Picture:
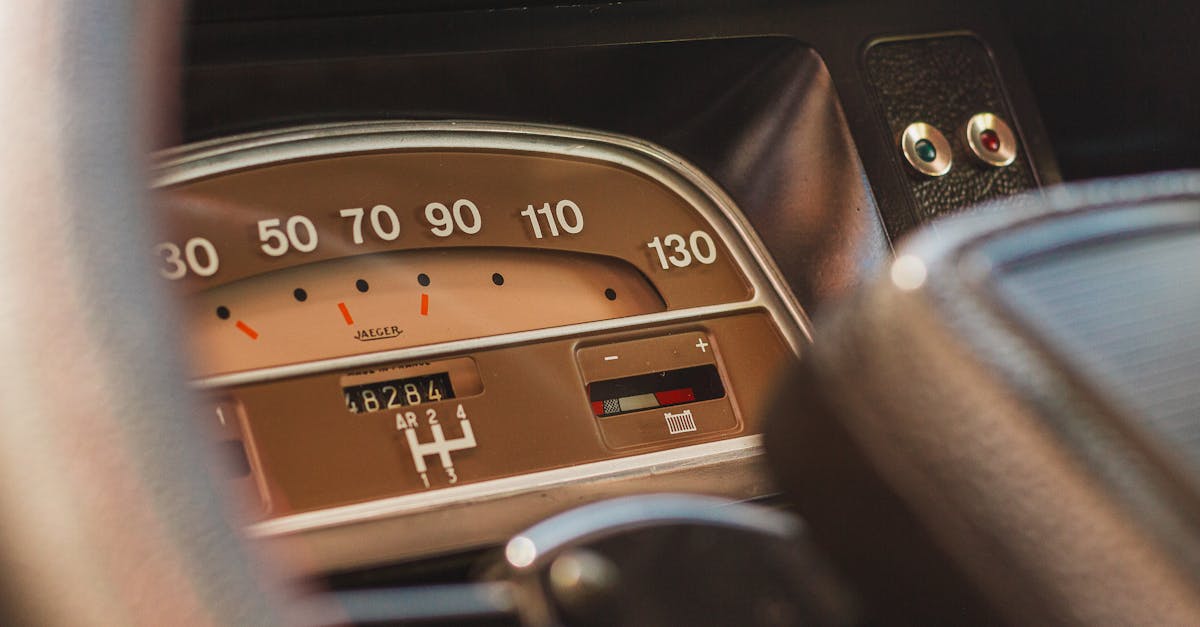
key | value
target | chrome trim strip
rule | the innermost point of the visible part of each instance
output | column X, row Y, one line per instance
column 188, row 163
column 471, row 345
column 770, row 293
column 606, row 470
column 535, row 546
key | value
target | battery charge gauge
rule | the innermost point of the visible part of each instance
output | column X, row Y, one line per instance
column 654, row 390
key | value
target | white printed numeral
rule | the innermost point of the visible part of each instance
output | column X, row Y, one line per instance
column 698, row 246
column 566, row 216
column 463, row 217
column 384, row 222
column 198, row 255
column 298, row 233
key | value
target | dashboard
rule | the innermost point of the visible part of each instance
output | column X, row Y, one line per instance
column 450, row 269
column 434, row 294
column 393, row 317
column 540, row 313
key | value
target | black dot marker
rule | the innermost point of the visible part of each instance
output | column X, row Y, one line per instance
column 498, row 278
column 610, row 294
column 362, row 286
column 300, row 294
column 223, row 312
column 423, row 279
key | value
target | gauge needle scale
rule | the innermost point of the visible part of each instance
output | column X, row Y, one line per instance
column 345, row 314
column 245, row 328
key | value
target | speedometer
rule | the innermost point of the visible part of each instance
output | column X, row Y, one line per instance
column 400, row 321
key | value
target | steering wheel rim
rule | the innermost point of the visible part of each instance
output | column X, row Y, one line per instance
column 109, row 513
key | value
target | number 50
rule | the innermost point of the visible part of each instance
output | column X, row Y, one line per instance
column 298, row 233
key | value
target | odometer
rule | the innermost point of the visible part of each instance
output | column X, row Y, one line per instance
column 385, row 395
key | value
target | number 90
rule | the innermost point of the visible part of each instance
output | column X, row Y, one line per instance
column 463, row 217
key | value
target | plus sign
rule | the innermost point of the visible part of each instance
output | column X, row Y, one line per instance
column 702, row 345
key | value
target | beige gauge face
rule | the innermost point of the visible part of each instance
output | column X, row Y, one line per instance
column 559, row 233
column 388, row 322
column 382, row 301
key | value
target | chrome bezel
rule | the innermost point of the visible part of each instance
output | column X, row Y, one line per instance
column 973, row 131
column 913, row 134
column 335, row 537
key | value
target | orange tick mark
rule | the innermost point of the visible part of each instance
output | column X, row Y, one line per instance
column 245, row 328
column 424, row 304
column 345, row 313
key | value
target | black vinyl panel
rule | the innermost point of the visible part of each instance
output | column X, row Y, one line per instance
column 943, row 81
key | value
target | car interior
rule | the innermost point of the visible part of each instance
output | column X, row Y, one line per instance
column 566, row 313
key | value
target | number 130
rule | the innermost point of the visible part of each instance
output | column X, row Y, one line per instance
column 698, row 246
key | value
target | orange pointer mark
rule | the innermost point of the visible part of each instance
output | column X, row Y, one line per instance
column 424, row 304
column 245, row 328
column 345, row 314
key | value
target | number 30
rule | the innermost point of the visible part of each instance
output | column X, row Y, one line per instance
column 179, row 261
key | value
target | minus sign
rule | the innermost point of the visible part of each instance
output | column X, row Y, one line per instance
column 611, row 358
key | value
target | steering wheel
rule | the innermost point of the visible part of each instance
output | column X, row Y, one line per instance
column 107, row 509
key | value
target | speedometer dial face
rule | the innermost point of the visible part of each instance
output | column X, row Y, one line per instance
column 367, row 303
column 396, row 318
column 481, row 220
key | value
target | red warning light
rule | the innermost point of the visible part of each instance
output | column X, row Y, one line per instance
column 990, row 140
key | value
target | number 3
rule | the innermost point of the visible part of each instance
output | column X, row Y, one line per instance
column 682, row 258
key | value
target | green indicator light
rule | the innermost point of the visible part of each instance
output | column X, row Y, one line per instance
column 926, row 151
